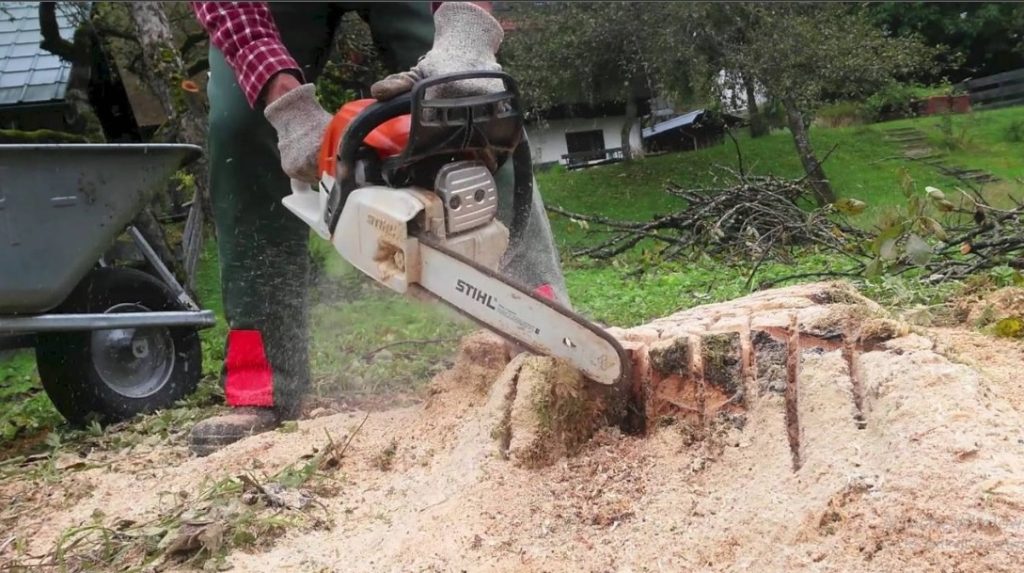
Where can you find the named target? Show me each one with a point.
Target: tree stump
(705, 367)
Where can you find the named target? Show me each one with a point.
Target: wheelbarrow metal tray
(62, 206)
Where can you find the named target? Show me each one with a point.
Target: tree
(716, 31)
(84, 53)
(807, 53)
(589, 52)
(187, 118)
(982, 38)
(106, 32)
(94, 90)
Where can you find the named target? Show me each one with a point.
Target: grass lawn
(368, 341)
(365, 339)
(859, 167)
(979, 140)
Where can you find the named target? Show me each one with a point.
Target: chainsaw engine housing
(379, 226)
(469, 193)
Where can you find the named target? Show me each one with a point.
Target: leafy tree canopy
(808, 53)
(983, 38)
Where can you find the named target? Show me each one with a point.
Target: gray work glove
(466, 39)
(300, 122)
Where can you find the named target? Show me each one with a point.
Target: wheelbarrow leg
(161, 269)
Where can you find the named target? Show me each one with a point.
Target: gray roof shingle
(28, 73)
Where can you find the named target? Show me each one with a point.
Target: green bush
(954, 135)
(1015, 131)
(841, 114)
(894, 101)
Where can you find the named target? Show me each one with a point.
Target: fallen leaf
(70, 462)
(934, 193)
(184, 540)
(918, 250)
(850, 206)
(888, 250)
(278, 495)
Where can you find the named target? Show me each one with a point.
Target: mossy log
(39, 136)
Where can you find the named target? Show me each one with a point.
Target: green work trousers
(263, 248)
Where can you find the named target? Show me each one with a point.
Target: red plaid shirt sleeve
(246, 34)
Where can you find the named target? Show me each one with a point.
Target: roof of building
(28, 73)
(674, 123)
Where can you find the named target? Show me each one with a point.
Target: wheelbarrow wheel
(112, 375)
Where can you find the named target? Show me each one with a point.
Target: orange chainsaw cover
(388, 139)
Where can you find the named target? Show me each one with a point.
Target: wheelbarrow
(110, 341)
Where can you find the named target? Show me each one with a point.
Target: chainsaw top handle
(440, 131)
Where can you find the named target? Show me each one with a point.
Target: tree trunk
(758, 125)
(166, 73)
(77, 52)
(815, 174)
(83, 53)
(628, 153)
(154, 234)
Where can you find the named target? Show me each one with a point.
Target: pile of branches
(753, 218)
(744, 217)
(975, 236)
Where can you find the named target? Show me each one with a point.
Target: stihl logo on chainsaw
(474, 293)
(389, 229)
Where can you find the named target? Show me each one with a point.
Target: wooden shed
(693, 130)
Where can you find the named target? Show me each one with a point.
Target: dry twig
(750, 217)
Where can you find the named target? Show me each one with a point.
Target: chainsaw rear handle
(454, 127)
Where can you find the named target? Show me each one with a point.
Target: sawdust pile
(925, 473)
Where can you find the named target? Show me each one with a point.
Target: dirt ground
(934, 481)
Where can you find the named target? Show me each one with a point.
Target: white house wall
(547, 141)
(735, 101)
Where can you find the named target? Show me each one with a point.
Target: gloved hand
(466, 38)
(300, 122)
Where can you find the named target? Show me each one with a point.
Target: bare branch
(200, 65)
(736, 144)
(52, 41)
(193, 40)
(757, 217)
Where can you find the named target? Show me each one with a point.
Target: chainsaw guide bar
(514, 312)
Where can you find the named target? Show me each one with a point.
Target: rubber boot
(214, 433)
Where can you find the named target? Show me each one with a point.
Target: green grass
(616, 295)
(858, 168)
(24, 407)
(365, 339)
(983, 145)
(368, 340)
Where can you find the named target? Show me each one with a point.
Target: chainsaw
(407, 195)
